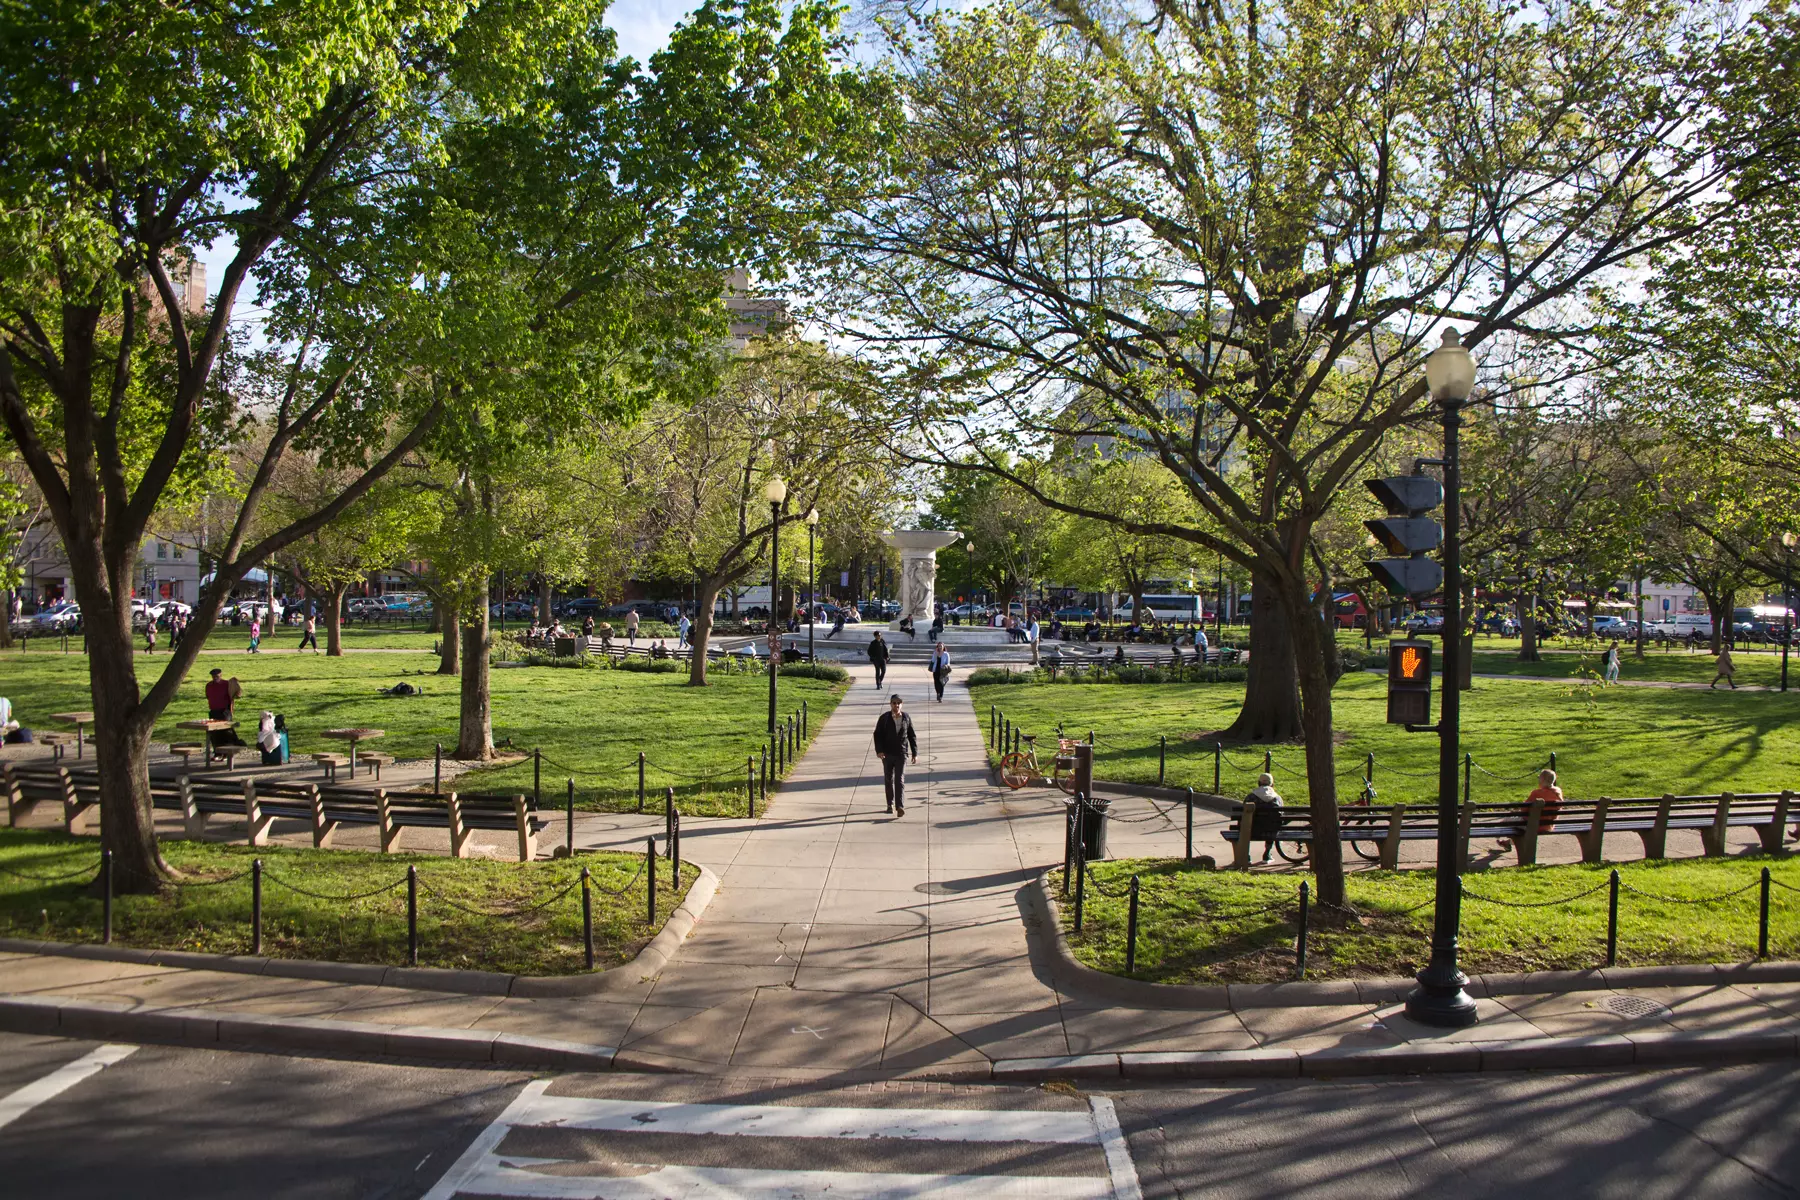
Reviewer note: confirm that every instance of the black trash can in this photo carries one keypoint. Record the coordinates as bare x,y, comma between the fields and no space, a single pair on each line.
565,647
1093,828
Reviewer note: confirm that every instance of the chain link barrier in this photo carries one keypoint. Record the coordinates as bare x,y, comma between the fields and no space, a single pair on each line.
1623,886
1598,887
502,914
271,877
76,874
184,884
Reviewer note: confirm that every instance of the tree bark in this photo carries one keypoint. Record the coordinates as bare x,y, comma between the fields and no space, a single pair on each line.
1528,638
544,599
334,621
701,631
449,656
1313,651
6,610
1271,711
475,732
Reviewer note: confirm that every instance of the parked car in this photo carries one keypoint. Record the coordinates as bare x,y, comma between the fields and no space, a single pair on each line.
513,610
61,617
1497,623
1420,623
647,610
1684,625
1075,612
1612,627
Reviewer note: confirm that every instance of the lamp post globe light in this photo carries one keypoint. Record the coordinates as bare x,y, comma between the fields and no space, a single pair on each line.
1788,541
812,581
1440,998
775,492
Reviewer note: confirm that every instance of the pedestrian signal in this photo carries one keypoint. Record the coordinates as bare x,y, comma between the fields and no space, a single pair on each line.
1409,682
1405,531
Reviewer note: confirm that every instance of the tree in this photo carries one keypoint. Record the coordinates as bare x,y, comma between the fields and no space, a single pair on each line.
1224,237
1107,556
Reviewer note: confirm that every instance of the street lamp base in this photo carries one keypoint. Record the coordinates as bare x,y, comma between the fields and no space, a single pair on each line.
1442,1005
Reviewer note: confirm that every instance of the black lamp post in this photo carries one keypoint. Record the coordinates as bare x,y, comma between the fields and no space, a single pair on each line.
1440,999
1787,599
775,492
812,581
969,576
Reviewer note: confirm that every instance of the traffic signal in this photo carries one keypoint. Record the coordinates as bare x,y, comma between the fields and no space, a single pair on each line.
1409,683
1406,531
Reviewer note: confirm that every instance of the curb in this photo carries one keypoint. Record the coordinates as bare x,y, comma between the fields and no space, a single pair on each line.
651,959
113,1020
1236,997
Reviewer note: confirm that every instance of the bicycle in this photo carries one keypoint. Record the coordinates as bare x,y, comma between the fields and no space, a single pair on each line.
1365,801
1020,767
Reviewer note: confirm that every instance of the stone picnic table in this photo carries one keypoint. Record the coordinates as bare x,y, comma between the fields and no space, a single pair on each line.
353,736
78,719
209,726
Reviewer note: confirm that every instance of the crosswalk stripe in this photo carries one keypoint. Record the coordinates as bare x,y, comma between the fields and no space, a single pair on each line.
16,1104
770,1120
484,1170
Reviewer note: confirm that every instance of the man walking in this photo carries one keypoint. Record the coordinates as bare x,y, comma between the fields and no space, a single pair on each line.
894,736
878,654
310,634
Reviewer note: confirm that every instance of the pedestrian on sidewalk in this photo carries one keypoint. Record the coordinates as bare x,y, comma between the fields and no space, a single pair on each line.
894,736
150,636
1609,663
878,654
309,635
1726,668
255,636
631,627
940,669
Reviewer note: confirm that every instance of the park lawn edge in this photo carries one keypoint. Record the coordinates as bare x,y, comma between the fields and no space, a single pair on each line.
1204,927
212,917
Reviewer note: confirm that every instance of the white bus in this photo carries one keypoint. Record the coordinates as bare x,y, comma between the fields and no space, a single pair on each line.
1169,608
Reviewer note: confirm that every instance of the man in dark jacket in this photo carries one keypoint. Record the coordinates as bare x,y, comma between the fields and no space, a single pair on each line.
894,737
878,654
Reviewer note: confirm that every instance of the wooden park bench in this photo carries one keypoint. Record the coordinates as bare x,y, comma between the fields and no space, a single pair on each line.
463,813
29,786
1589,821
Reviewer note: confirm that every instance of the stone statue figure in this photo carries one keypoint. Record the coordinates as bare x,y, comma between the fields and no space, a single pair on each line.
921,586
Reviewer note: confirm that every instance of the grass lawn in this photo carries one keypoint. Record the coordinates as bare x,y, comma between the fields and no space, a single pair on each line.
1199,926
210,911
590,724
1608,741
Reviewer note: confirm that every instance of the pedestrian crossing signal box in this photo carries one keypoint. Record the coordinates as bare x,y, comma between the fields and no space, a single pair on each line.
1409,683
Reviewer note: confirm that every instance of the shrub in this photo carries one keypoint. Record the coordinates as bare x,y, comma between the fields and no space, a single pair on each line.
982,676
828,671
578,661
653,666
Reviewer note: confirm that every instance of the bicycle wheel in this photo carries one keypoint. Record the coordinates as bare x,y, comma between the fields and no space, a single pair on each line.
1016,770
1063,777
1371,855
1294,852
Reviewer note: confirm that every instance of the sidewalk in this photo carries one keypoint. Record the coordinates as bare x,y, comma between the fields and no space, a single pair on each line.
846,943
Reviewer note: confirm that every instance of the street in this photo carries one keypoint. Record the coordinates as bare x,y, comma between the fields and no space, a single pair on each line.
156,1121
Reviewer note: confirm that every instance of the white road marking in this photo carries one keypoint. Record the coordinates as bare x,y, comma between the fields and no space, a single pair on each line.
16,1105
717,1183
1118,1150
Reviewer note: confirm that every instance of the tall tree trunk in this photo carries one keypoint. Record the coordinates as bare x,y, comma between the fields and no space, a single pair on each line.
450,645
334,621
1271,711
544,599
1528,631
1314,651
701,631
270,619
6,612
475,732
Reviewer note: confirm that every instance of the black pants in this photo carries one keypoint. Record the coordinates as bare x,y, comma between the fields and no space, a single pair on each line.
940,679
309,639
880,672
893,780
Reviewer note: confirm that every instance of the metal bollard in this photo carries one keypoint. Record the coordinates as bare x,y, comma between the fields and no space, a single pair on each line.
106,896
1300,942
412,916
1762,919
1162,757
675,853
991,717
1468,766
1090,737
587,919
1218,758
1269,762
805,721
569,840
1069,836
650,869
256,906
1612,919
668,815
765,778
1080,857
537,778
1189,852
640,781
437,771
1553,760
750,784
1131,924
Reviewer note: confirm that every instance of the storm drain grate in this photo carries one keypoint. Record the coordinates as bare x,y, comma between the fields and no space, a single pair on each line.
1636,1006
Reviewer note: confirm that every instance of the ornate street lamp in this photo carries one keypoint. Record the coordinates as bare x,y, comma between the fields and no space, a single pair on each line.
1440,999
1788,541
775,492
812,581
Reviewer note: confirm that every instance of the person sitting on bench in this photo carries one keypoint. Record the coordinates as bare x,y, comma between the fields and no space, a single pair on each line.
1266,824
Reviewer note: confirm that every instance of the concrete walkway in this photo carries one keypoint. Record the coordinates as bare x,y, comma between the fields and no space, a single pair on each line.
845,942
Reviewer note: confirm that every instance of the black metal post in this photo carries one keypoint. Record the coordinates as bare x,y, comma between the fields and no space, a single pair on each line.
1300,940
750,784
1189,851
668,815
1162,757
106,896
991,718
675,851
587,919
765,776
1218,760
1131,924
650,869
1553,760
640,781
537,778
256,906
1440,998
1762,919
1612,919
1080,857
812,592
1468,766
805,721
437,771
774,606
569,840
1787,606
1069,836
1268,762
412,916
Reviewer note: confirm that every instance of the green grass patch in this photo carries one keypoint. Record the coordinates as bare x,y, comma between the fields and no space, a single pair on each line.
590,725
1608,741
525,918
1210,927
